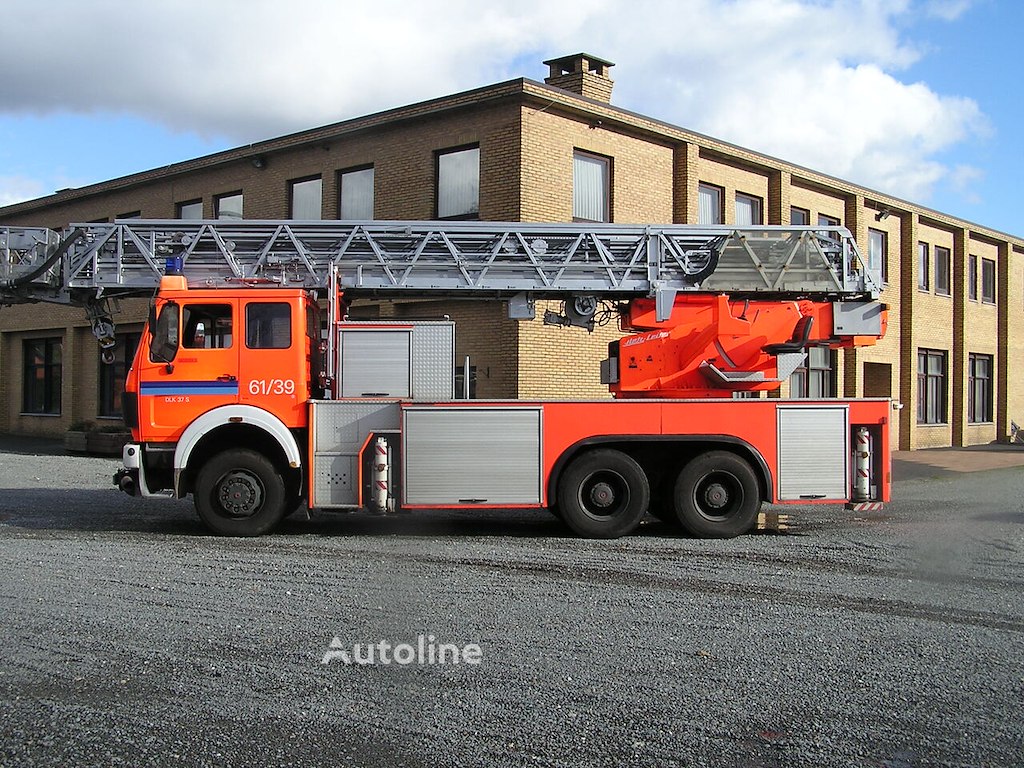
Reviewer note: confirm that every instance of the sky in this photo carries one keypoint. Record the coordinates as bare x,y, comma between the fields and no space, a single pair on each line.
919,99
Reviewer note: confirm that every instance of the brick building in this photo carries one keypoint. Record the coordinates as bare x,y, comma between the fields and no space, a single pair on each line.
554,151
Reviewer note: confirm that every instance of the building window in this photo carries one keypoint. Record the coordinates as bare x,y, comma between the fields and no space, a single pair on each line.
591,187
931,386
190,210
458,183
355,194
42,375
748,210
129,215
112,375
817,376
229,206
924,266
972,277
979,389
710,204
988,281
878,253
824,220
306,199
941,270
799,217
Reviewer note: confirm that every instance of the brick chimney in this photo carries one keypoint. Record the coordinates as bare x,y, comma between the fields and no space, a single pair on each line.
582,74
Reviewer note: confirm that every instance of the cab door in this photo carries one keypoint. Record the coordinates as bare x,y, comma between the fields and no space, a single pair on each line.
192,365
274,364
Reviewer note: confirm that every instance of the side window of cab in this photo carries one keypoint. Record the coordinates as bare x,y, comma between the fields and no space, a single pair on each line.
268,325
206,326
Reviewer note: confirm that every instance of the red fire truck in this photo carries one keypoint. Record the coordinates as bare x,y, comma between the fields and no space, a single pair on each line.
253,391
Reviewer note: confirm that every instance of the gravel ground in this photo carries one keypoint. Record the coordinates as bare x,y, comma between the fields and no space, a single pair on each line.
131,637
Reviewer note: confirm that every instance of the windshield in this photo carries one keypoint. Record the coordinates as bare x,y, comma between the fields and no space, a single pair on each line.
165,336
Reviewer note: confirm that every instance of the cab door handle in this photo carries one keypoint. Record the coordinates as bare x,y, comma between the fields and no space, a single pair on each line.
226,377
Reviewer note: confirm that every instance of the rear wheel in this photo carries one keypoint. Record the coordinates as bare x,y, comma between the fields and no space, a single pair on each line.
603,494
717,496
240,493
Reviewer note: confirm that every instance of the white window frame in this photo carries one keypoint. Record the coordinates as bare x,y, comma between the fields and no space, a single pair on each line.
878,252
457,171
190,210
803,213
943,264
356,194
231,212
749,207
988,281
710,204
591,187
306,199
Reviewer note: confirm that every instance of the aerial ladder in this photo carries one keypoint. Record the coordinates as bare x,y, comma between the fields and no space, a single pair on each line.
709,311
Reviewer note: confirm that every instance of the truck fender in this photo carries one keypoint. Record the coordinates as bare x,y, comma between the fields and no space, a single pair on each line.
229,414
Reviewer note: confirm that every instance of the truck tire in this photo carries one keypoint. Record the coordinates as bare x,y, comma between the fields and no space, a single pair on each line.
240,493
603,494
716,496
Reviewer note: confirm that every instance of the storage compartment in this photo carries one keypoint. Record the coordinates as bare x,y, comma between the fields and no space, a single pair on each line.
340,428
813,452
472,455
409,360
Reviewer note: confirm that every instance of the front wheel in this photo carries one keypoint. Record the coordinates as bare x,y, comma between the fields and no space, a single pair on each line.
603,494
240,493
717,496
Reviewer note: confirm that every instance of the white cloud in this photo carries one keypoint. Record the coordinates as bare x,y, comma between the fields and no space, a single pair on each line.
16,189
947,10
964,179
815,82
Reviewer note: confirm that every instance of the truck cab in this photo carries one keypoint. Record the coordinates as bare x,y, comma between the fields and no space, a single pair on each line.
219,368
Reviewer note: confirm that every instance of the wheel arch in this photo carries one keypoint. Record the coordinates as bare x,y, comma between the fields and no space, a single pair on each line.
637,445
234,426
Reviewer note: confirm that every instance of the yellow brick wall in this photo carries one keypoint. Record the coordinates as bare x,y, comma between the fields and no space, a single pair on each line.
1010,398
484,333
818,202
641,170
887,350
527,136
403,156
733,179
981,336
557,362
931,320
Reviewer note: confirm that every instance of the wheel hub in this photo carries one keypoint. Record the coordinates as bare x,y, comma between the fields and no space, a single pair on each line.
240,494
716,496
602,495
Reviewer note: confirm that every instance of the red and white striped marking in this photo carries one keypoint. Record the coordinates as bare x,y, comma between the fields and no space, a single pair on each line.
866,506
380,476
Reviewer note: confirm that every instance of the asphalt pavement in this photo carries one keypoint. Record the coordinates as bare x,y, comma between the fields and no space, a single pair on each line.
132,637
